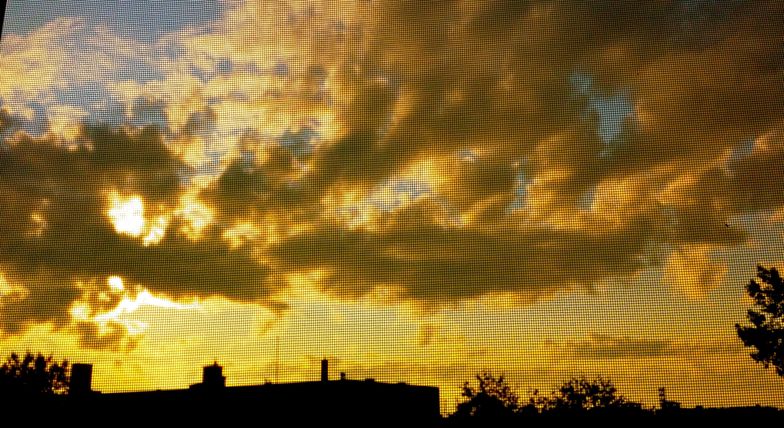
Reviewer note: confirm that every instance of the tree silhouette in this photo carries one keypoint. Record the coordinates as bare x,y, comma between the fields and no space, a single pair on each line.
493,398
767,331
581,394
33,375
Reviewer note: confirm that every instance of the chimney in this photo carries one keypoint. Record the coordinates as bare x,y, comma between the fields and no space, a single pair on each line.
324,370
81,379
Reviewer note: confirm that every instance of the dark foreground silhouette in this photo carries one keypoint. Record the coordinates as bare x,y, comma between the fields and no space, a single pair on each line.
342,402
347,402
304,405
493,402
687,417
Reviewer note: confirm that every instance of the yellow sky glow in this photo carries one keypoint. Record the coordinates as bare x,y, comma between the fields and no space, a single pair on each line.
417,190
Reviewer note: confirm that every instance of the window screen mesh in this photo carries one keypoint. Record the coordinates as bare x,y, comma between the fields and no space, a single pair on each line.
416,191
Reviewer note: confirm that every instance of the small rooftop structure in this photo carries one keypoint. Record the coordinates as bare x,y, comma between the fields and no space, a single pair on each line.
81,379
212,377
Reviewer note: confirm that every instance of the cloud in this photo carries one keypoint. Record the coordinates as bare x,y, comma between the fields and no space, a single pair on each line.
265,177
525,194
413,89
418,252
59,242
598,347
427,334
605,347
691,270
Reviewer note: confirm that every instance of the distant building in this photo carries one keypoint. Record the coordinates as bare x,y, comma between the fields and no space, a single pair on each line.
339,401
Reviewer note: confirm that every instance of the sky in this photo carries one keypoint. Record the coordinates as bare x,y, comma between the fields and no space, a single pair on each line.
417,191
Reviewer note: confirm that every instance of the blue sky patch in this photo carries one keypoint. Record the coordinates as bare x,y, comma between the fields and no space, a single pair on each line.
613,110
142,20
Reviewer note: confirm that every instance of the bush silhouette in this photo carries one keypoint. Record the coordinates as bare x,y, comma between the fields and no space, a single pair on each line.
493,398
33,375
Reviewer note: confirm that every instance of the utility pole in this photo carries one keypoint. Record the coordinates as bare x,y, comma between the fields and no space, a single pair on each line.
277,357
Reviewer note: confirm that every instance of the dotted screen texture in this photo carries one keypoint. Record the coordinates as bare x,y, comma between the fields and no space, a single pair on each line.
416,191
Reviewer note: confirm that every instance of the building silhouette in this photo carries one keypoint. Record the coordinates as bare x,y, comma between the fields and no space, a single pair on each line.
344,401
81,379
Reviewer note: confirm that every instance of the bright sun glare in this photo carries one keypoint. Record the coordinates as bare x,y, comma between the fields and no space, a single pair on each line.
116,283
127,214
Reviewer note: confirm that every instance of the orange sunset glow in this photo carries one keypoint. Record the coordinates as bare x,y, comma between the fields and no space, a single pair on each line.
417,191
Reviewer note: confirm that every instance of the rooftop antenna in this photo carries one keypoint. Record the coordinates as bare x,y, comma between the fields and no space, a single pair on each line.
277,356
